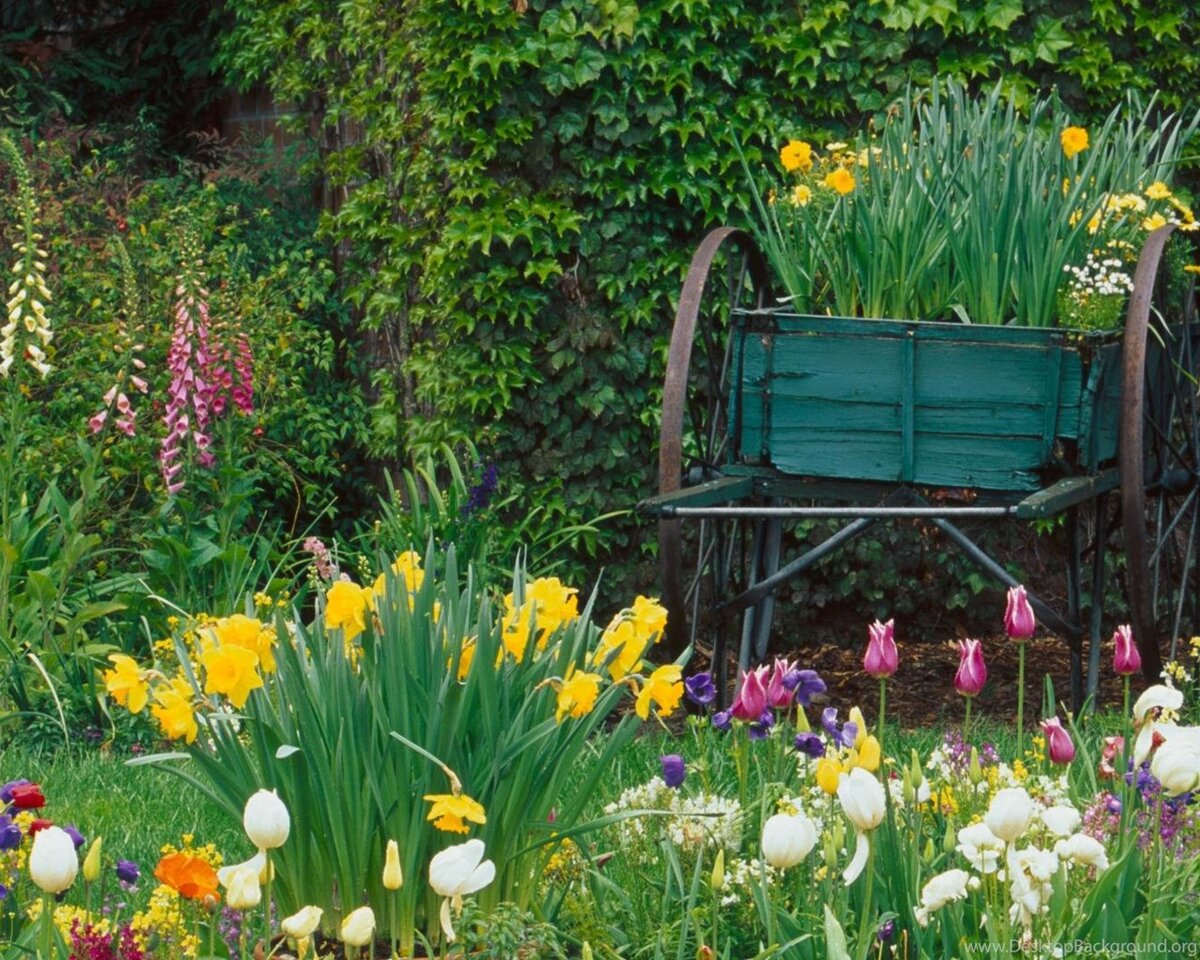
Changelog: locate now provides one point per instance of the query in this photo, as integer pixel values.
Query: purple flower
(3, 891)
(885, 931)
(10, 833)
(700, 688)
(480, 495)
(127, 871)
(810, 744)
(673, 769)
(806, 683)
(75, 835)
(722, 720)
(844, 734)
(760, 729)
(6, 791)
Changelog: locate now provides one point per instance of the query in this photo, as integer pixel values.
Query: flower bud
(975, 771)
(787, 839)
(1126, 658)
(881, 659)
(266, 820)
(1019, 622)
(243, 892)
(91, 863)
(358, 928)
(302, 924)
(393, 878)
(53, 862)
(717, 880)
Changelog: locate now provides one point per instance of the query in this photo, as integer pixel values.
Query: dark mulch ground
(922, 691)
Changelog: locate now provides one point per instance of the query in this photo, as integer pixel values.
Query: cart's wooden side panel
(935, 404)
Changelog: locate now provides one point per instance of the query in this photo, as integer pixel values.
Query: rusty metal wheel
(702, 562)
(1160, 461)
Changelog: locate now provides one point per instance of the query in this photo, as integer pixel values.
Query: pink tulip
(751, 701)
(881, 658)
(779, 697)
(972, 671)
(1019, 623)
(1126, 660)
(1059, 747)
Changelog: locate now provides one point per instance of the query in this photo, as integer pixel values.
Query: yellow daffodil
(1074, 140)
(650, 617)
(841, 180)
(450, 810)
(124, 683)
(664, 689)
(577, 694)
(796, 155)
(620, 642)
(465, 659)
(249, 634)
(346, 606)
(172, 708)
(1158, 191)
(231, 671)
(547, 605)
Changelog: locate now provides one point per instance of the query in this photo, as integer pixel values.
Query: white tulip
(456, 872)
(862, 798)
(1083, 850)
(1040, 865)
(787, 839)
(981, 847)
(1158, 695)
(943, 889)
(1176, 765)
(266, 820)
(243, 892)
(1062, 821)
(257, 863)
(1010, 813)
(53, 862)
(358, 927)
(303, 923)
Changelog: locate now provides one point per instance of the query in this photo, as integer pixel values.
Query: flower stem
(864, 923)
(882, 711)
(267, 906)
(967, 722)
(1020, 696)
(47, 950)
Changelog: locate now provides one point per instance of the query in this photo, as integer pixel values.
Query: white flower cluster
(1104, 277)
(742, 877)
(26, 308)
(697, 822)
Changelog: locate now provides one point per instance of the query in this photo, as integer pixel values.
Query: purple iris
(673, 769)
(806, 683)
(722, 720)
(700, 688)
(844, 734)
(74, 834)
(10, 833)
(759, 730)
(810, 744)
(128, 872)
(6, 791)
(885, 931)
(3, 891)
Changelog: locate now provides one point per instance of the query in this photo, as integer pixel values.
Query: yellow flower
(231, 671)
(577, 694)
(621, 638)
(650, 617)
(1158, 191)
(1153, 222)
(841, 180)
(797, 155)
(1074, 140)
(828, 771)
(548, 604)
(450, 810)
(869, 754)
(346, 607)
(173, 710)
(801, 195)
(1192, 268)
(664, 688)
(249, 634)
(465, 658)
(860, 727)
(125, 683)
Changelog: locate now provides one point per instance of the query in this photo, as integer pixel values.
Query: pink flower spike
(881, 658)
(1126, 659)
(751, 701)
(1019, 622)
(972, 671)
(1059, 747)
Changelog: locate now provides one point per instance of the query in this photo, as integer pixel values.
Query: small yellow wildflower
(1074, 140)
(796, 155)
(1158, 191)
(1153, 222)
(801, 195)
(840, 180)
(450, 810)
(125, 684)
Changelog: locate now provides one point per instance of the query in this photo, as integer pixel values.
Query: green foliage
(521, 182)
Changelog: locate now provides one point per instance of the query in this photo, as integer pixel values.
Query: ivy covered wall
(517, 185)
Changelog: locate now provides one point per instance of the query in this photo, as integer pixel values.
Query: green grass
(135, 809)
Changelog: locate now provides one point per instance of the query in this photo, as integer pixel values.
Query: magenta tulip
(1019, 623)
(972, 671)
(751, 700)
(1059, 747)
(779, 696)
(881, 658)
(1126, 660)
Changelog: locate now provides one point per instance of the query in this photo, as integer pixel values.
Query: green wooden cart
(770, 417)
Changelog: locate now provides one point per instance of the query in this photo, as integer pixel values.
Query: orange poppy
(188, 875)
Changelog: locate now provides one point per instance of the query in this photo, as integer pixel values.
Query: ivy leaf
(1002, 14)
